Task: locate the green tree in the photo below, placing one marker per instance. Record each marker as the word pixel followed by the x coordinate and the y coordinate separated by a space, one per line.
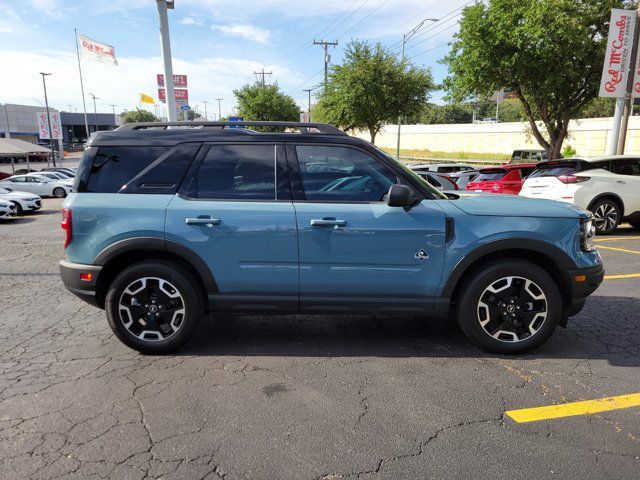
pixel 266 103
pixel 549 53
pixel 138 115
pixel 371 87
pixel 598 107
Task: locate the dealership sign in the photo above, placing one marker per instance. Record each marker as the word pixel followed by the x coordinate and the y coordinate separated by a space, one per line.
pixel 181 95
pixel 43 125
pixel 617 61
pixel 179 81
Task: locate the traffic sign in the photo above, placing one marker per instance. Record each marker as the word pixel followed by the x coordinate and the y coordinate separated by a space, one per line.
pixel 185 107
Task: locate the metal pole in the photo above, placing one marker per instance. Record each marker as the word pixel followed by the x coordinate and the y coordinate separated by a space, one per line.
pixel 46 104
pixel 165 44
pixel 617 120
pixel 7 134
pixel 84 103
pixel 308 90
pixel 113 107
pixel 205 109
pixel 219 108
pixel 628 100
pixel 95 110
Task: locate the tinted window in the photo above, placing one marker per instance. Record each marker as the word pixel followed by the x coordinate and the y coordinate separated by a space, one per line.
pixel 244 172
pixel 555 169
pixel 18 179
pixel 490 175
pixel 114 167
pixel 432 181
pixel 525 172
pixel 355 176
pixel 626 166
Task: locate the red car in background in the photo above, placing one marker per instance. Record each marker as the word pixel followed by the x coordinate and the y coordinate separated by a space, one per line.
pixel 502 179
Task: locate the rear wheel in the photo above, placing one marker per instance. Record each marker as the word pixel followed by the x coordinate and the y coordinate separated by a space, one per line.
pixel 509 306
pixel 59 192
pixel 606 216
pixel 154 307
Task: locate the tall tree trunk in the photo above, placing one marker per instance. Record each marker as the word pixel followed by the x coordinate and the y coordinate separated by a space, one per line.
pixel 373 131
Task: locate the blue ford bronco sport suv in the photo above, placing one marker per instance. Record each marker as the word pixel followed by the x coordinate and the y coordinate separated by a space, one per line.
pixel 168 224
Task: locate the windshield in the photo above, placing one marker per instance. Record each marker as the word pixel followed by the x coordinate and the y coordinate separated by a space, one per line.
pixel 436 193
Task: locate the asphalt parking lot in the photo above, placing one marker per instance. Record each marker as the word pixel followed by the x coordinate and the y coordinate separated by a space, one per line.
pixel 306 397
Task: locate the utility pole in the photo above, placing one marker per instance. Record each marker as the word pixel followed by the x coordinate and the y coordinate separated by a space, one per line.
pixel 262 74
pixel 219 108
pixel 95 110
pixel 113 107
pixel 405 38
pixel 46 103
pixel 308 90
pixel 7 134
pixel 165 46
pixel 205 110
pixel 628 101
pixel 327 58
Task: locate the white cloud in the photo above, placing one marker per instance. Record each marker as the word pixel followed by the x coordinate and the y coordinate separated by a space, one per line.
pixel 191 21
pixel 248 32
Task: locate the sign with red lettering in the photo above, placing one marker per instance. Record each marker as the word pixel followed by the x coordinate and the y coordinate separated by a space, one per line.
pixel 179 81
pixel 617 60
pixel 179 94
pixel 43 125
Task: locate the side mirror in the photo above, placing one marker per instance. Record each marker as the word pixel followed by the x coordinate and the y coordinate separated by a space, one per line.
pixel 400 196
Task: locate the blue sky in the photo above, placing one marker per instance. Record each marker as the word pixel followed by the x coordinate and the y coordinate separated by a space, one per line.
pixel 218 44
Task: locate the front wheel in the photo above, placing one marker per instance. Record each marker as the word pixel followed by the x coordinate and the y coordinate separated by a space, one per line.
pixel 19 210
pixel 59 192
pixel 509 306
pixel 154 307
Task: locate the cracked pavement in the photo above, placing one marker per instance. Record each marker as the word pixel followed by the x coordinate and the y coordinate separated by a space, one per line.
pixel 304 397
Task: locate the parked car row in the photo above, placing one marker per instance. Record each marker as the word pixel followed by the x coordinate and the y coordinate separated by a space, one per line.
pixel 22 193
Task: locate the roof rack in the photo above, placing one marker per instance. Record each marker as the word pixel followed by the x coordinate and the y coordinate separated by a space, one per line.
pixel 321 128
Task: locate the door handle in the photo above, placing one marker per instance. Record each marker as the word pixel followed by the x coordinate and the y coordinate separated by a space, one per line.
pixel 206 221
pixel 620 181
pixel 327 222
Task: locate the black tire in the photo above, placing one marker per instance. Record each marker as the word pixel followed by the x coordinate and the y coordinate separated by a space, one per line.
pixel 19 210
pixel 635 224
pixel 135 323
pixel 607 215
pixel 59 192
pixel 530 326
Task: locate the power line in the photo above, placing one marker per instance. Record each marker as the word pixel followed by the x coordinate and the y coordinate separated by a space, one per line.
pixel 262 74
pixel 435 34
pixel 306 81
pixel 430 49
pixel 327 57
pixel 363 19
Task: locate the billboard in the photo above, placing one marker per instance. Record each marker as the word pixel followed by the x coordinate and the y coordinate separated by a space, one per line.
pixel 181 95
pixel 179 81
pixel 617 61
pixel 43 125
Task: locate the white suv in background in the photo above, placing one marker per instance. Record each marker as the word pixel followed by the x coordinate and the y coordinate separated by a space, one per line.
pixel 607 186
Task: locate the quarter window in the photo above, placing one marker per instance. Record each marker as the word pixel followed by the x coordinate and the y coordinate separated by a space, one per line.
pixel 243 172
pixel 342 174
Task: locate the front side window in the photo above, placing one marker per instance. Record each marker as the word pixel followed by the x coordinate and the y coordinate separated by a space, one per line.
pixel 238 172
pixel 626 166
pixel 347 175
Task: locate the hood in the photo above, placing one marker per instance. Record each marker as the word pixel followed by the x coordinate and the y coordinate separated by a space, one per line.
pixel 515 206
pixel 15 194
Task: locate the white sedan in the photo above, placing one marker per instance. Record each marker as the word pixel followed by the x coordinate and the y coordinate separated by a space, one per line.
pixel 7 210
pixel 55 176
pixel 39 185
pixel 24 201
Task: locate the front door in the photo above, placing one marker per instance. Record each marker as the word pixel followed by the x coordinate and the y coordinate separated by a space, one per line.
pixel 356 251
pixel 236 213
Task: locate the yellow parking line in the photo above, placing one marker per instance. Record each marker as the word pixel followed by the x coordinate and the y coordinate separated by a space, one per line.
pixel 619 249
pixel 627 275
pixel 615 239
pixel 575 408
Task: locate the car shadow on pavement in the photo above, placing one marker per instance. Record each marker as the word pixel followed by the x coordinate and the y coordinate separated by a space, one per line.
pixel 596 333
pixel 17 220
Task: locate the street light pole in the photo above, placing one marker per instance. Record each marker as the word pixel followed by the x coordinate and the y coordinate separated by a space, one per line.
pixel 405 38
pixel 165 46
pixel 95 110
pixel 219 108
pixel 113 107
pixel 46 104
pixel 205 110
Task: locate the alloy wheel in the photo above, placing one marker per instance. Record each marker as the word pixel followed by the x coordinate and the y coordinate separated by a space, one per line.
pixel 152 309
pixel 605 217
pixel 512 309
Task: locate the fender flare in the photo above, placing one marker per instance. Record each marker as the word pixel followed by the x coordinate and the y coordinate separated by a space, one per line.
pixel 159 244
pixel 615 196
pixel 540 247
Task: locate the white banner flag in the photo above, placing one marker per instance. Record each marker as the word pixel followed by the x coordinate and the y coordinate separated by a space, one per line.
pixel 97 51
pixel 617 60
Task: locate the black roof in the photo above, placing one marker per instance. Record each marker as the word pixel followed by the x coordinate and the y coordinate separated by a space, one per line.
pixel 156 134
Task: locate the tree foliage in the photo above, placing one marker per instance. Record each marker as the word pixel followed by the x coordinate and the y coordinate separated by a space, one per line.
pixel 138 115
pixel 549 53
pixel 510 111
pixel 371 87
pixel 266 103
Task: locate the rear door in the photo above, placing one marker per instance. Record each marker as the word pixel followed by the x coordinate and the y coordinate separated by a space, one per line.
pixel 355 250
pixel 235 211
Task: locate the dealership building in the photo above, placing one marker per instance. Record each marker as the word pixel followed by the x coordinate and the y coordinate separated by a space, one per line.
pixel 20 121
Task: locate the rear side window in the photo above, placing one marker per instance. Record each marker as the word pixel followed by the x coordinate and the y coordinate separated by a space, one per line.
pixel 238 172
pixel 114 167
pixel 626 166
pixel 487 175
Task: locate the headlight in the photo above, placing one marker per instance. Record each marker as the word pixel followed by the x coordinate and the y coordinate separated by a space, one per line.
pixel 587 234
